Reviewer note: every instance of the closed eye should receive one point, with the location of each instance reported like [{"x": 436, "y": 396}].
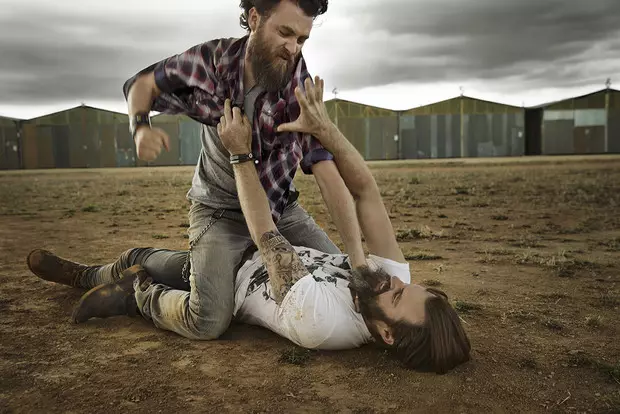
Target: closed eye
[{"x": 398, "y": 295}]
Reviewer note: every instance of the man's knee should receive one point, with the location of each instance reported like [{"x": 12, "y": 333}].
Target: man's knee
[
  {"x": 134, "y": 256},
  {"x": 212, "y": 328}
]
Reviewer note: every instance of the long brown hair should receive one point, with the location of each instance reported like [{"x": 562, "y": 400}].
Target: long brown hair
[{"x": 439, "y": 344}]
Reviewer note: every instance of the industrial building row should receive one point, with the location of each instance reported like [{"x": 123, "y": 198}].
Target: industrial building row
[{"x": 87, "y": 137}]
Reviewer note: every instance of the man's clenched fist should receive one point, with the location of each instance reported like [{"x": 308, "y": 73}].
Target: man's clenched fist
[{"x": 149, "y": 142}]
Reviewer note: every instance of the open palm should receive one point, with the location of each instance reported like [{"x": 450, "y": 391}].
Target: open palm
[{"x": 313, "y": 117}]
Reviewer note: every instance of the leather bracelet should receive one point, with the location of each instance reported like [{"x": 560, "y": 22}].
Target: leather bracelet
[{"x": 240, "y": 158}]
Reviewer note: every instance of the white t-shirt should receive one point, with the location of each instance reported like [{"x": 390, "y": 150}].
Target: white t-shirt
[{"x": 318, "y": 311}]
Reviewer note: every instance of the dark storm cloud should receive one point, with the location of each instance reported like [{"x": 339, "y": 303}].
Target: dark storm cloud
[
  {"x": 551, "y": 42},
  {"x": 47, "y": 56},
  {"x": 88, "y": 50}
]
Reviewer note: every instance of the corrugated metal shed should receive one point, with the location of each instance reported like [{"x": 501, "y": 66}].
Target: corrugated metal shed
[
  {"x": 80, "y": 137},
  {"x": 10, "y": 143},
  {"x": 462, "y": 127},
  {"x": 587, "y": 124},
  {"x": 372, "y": 130}
]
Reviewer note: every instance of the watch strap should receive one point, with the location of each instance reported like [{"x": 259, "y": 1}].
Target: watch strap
[
  {"x": 240, "y": 158},
  {"x": 138, "y": 120}
]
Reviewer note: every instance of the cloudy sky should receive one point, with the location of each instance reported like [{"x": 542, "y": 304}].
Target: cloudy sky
[{"x": 392, "y": 53}]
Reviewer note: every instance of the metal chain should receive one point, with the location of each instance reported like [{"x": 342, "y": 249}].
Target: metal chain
[{"x": 217, "y": 214}]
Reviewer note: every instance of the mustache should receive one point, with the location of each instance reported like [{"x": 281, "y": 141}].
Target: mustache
[
  {"x": 284, "y": 54},
  {"x": 368, "y": 285}
]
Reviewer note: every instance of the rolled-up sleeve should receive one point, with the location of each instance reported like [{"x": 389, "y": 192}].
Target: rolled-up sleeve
[
  {"x": 313, "y": 153},
  {"x": 180, "y": 78}
]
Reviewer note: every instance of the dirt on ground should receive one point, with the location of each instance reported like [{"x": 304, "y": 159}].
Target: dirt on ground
[{"x": 527, "y": 252}]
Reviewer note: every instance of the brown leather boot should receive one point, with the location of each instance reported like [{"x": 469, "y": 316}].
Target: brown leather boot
[
  {"x": 52, "y": 268},
  {"x": 112, "y": 299}
]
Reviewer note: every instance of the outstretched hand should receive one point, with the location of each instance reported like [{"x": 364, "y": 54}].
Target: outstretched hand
[{"x": 313, "y": 118}]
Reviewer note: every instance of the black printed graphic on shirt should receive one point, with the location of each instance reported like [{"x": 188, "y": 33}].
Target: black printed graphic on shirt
[
  {"x": 325, "y": 268},
  {"x": 260, "y": 280}
]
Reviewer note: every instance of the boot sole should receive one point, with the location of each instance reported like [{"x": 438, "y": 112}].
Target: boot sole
[{"x": 28, "y": 261}]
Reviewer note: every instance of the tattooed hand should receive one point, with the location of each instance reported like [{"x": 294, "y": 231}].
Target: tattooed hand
[{"x": 282, "y": 263}]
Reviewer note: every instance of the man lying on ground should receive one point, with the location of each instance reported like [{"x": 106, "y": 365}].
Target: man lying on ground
[{"x": 310, "y": 297}]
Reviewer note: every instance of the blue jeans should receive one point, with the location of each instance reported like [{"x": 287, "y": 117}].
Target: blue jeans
[{"x": 202, "y": 307}]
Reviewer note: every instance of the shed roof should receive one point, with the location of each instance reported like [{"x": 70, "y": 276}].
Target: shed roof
[
  {"x": 471, "y": 106},
  {"x": 587, "y": 95},
  {"x": 77, "y": 107}
]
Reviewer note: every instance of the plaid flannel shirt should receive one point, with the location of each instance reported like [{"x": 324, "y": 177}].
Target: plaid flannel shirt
[{"x": 198, "y": 81}]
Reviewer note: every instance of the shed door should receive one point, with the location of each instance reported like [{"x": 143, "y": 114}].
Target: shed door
[
  {"x": 60, "y": 146},
  {"x": 589, "y": 140}
]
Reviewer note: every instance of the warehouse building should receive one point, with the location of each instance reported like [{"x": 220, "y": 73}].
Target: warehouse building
[
  {"x": 588, "y": 124},
  {"x": 462, "y": 127},
  {"x": 80, "y": 137},
  {"x": 372, "y": 130},
  {"x": 87, "y": 137},
  {"x": 10, "y": 145}
]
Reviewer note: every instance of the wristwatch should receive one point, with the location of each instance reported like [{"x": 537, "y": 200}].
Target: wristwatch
[{"x": 138, "y": 120}]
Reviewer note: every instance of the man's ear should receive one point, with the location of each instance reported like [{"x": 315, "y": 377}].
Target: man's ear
[
  {"x": 253, "y": 19},
  {"x": 385, "y": 331}
]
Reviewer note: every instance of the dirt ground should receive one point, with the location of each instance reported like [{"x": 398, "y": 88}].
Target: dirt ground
[{"x": 527, "y": 251}]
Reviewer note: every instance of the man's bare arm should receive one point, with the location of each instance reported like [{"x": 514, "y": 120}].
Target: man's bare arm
[
  {"x": 282, "y": 262},
  {"x": 371, "y": 212},
  {"x": 142, "y": 93},
  {"x": 341, "y": 209}
]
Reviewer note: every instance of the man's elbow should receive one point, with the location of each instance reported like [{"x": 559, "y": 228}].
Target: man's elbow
[{"x": 365, "y": 190}]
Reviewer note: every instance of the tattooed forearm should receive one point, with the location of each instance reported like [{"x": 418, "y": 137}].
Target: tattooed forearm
[{"x": 282, "y": 263}]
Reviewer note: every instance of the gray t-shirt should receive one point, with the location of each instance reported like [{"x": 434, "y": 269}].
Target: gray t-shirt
[{"x": 213, "y": 183}]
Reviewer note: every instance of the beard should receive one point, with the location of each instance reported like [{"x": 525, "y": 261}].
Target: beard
[
  {"x": 368, "y": 285},
  {"x": 270, "y": 70}
]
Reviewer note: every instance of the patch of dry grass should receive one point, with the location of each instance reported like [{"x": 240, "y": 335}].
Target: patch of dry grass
[
  {"x": 422, "y": 256},
  {"x": 295, "y": 356},
  {"x": 466, "y": 307},
  {"x": 424, "y": 232},
  {"x": 594, "y": 321},
  {"x": 561, "y": 263},
  {"x": 519, "y": 315}
]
